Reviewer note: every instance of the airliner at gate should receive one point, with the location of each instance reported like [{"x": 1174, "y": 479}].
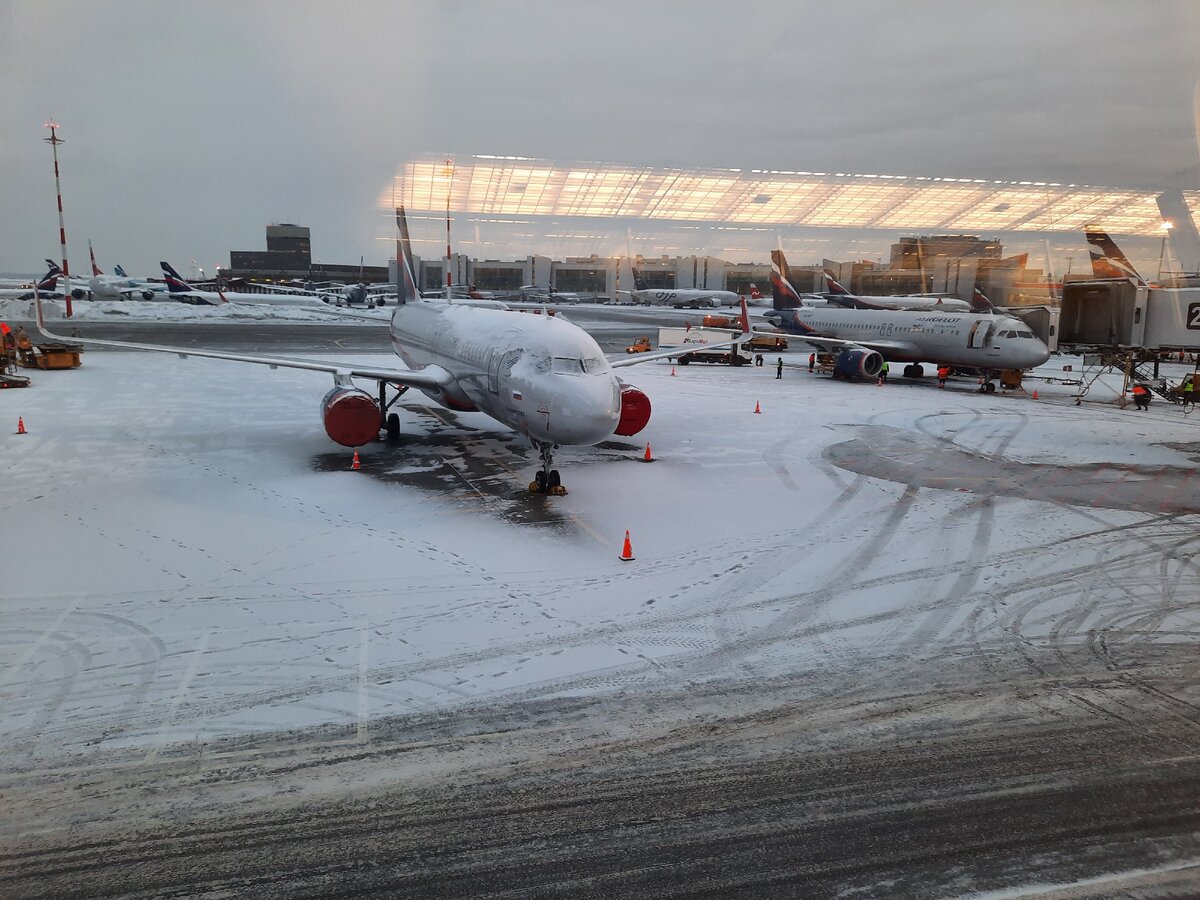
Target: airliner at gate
[{"x": 861, "y": 339}]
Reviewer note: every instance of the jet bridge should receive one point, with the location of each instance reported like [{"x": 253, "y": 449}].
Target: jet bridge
[{"x": 1120, "y": 314}]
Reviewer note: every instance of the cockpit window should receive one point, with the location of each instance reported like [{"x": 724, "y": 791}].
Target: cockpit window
[
  {"x": 593, "y": 365},
  {"x": 566, "y": 365}
]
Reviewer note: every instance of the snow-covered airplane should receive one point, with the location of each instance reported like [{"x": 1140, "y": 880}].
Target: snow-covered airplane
[
  {"x": 696, "y": 298},
  {"x": 545, "y": 378},
  {"x": 861, "y": 339},
  {"x": 178, "y": 289}
]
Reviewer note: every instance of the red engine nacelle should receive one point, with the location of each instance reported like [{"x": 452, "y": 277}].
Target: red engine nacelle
[
  {"x": 635, "y": 411},
  {"x": 351, "y": 416}
]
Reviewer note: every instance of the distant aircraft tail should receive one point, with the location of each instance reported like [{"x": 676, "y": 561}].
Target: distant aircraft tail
[
  {"x": 407, "y": 288},
  {"x": 92, "y": 254},
  {"x": 119, "y": 271},
  {"x": 833, "y": 286},
  {"x": 49, "y": 281},
  {"x": 638, "y": 281},
  {"x": 755, "y": 293},
  {"x": 175, "y": 283},
  {"x": 783, "y": 295},
  {"x": 981, "y": 304},
  {"x": 1107, "y": 259}
]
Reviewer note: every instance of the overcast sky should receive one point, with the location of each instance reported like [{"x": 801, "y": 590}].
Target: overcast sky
[{"x": 190, "y": 126}]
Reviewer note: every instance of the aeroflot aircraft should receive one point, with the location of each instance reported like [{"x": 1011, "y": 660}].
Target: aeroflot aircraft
[
  {"x": 119, "y": 286},
  {"x": 861, "y": 338},
  {"x": 842, "y": 297},
  {"x": 1107, "y": 259},
  {"x": 178, "y": 289},
  {"x": 541, "y": 376},
  {"x": 694, "y": 297},
  {"x": 45, "y": 286}
]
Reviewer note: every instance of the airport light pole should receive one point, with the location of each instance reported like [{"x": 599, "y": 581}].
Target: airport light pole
[
  {"x": 54, "y": 140},
  {"x": 449, "y": 184}
]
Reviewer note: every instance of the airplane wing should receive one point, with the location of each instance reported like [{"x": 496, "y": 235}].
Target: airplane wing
[
  {"x": 884, "y": 347},
  {"x": 430, "y": 377}
]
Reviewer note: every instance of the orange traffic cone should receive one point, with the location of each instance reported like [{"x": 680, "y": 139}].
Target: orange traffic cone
[
  {"x": 647, "y": 457},
  {"x": 21, "y": 426},
  {"x": 355, "y": 465},
  {"x": 757, "y": 408},
  {"x": 672, "y": 370},
  {"x": 627, "y": 550},
  {"x": 1035, "y": 393}
]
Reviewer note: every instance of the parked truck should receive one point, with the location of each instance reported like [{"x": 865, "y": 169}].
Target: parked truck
[{"x": 692, "y": 345}]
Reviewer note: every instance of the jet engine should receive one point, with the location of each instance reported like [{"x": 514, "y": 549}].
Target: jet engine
[
  {"x": 351, "y": 416},
  {"x": 147, "y": 295},
  {"x": 858, "y": 364},
  {"x": 80, "y": 293},
  {"x": 635, "y": 411}
]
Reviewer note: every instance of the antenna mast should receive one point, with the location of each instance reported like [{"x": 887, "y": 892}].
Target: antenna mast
[{"x": 54, "y": 140}]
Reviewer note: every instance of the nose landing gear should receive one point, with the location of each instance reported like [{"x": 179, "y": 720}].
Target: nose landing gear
[{"x": 547, "y": 480}]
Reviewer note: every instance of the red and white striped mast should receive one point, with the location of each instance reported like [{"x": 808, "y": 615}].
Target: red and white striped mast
[{"x": 54, "y": 140}]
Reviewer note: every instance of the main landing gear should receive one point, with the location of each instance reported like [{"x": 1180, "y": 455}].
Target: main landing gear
[
  {"x": 390, "y": 421},
  {"x": 547, "y": 480}
]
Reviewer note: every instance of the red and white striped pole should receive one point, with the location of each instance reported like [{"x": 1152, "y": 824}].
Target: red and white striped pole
[{"x": 54, "y": 140}]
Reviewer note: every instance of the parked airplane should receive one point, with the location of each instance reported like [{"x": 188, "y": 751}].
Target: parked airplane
[
  {"x": 545, "y": 378},
  {"x": 119, "y": 286},
  {"x": 837, "y": 294},
  {"x": 46, "y": 285},
  {"x": 696, "y": 298},
  {"x": 861, "y": 339},
  {"x": 1107, "y": 259},
  {"x": 178, "y": 289}
]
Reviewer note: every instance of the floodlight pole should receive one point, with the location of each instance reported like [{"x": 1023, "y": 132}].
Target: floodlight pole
[
  {"x": 54, "y": 140},
  {"x": 449, "y": 183}
]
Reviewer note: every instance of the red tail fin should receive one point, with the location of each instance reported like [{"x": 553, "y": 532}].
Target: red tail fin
[
  {"x": 95, "y": 268},
  {"x": 745, "y": 318}
]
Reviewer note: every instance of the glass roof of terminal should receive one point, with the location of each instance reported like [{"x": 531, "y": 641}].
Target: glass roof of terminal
[{"x": 515, "y": 186}]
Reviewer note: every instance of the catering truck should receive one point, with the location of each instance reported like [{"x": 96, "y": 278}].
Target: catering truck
[{"x": 692, "y": 345}]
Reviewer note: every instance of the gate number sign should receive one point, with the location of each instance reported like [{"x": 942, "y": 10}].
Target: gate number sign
[{"x": 1193, "y": 320}]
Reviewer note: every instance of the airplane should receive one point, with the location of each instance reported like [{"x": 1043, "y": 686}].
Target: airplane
[
  {"x": 46, "y": 285},
  {"x": 544, "y": 378},
  {"x": 838, "y": 295},
  {"x": 1107, "y": 259},
  {"x": 178, "y": 289},
  {"x": 696, "y": 298},
  {"x": 861, "y": 339},
  {"x": 119, "y": 286}
]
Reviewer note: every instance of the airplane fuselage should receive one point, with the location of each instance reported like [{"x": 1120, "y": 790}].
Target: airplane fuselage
[
  {"x": 685, "y": 297},
  {"x": 542, "y": 377},
  {"x": 957, "y": 339}
]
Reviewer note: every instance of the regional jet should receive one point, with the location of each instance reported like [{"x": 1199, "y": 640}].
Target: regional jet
[
  {"x": 862, "y": 339},
  {"x": 696, "y": 298},
  {"x": 178, "y": 289},
  {"x": 545, "y": 378}
]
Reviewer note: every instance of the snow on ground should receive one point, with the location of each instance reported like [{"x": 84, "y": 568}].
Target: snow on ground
[{"x": 189, "y": 557}]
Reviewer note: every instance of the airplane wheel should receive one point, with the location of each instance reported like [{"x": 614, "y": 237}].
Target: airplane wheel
[
  {"x": 393, "y": 427},
  {"x": 555, "y": 479},
  {"x": 991, "y": 387},
  {"x": 539, "y": 480}
]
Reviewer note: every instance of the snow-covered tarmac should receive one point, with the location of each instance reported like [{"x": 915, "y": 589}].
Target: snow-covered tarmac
[{"x": 189, "y": 561}]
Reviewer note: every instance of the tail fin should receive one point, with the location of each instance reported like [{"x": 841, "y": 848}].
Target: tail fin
[
  {"x": 745, "y": 317},
  {"x": 755, "y": 293},
  {"x": 119, "y": 271},
  {"x": 91, "y": 253},
  {"x": 50, "y": 279},
  {"x": 833, "y": 285},
  {"x": 981, "y": 304},
  {"x": 638, "y": 281},
  {"x": 175, "y": 284},
  {"x": 783, "y": 295},
  {"x": 407, "y": 288},
  {"x": 1107, "y": 259}
]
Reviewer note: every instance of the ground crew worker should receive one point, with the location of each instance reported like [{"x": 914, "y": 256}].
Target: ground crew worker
[
  {"x": 883, "y": 372},
  {"x": 812, "y": 361},
  {"x": 758, "y": 359},
  {"x": 943, "y": 374},
  {"x": 23, "y": 342},
  {"x": 779, "y": 367},
  {"x": 1141, "y": 397},
  {"x": 1189, "y": 391}
]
